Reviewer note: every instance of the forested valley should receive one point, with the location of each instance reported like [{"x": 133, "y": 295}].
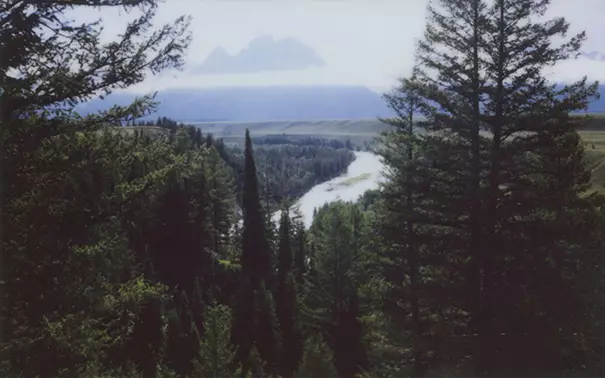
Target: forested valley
[
  {"x": 134, "y": 254},
  {"x": 287, "y": 168}
]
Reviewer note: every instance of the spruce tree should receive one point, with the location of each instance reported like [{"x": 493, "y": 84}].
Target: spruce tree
[
  {"x": 265, "y": 329},
  {"x": 451, "y": 79},
  {"x": 256, "y": 254},
  {"x": 183, "y": 338},
  {"x": 197, "y": 139},
  {"x": 254, "y": 306},
  {"x": 242, "y": 334},
  {"x": 284, "y": 253},
  {"x": 350, "y": 357},
  {"x": 198, "y": 307},
  {"x": 481, "y": 69},
  {"x": 318, "y": 359},
  {"x": 200, "y": 235},
  {"x": 402, "y": 234},
  {"x": 256, "y": 365},
  {"x": 173, "y": 338},
  {"x": 536, "y": 157},
  {"x": 85, "y": 261},
  {"x": 221, "y": 204},
  {"x": 287, "y": 301},
  {"x": 337, "y": 232},
  {"x": 147, "y": 345},
  {"x": 300, "y": 251},
  {"x": 172, "y": 250},
  {"x": 216, "y": 355}
]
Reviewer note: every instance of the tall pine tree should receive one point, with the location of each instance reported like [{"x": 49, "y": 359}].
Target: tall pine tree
[
  {"x": 286, "y": 306},
  {"x": 535, "y": 161},
  {"x": 337, "y": 233},
  {"x": 256, "y": 254},
  {"x": 253, "y": 314},
  {"x": 403, "y": 234},
  {"x": 500, "y": 150}
]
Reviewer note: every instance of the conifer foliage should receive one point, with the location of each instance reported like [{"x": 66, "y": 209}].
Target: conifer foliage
[
  {"x": 256, "y": 254},
  {"x": 475, "y": 191},
  {"x": 150, "y": 251},
  {"x": 255, "y": 312},
  {"x": 286, "y": 295}
]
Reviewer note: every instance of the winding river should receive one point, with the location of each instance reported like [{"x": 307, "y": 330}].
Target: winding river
[{"x": 363, "y": 174}]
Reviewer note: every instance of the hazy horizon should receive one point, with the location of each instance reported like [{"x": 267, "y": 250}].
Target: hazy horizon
[{"x": 363, "y": 43}]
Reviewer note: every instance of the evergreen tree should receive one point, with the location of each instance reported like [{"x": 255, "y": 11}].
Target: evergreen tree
[
  {"x": 317, "y": 360},
  {"x": 481, "y": 68},
  {"x": 265, "y": 329},
  {"x": 339, "y": 234},
  {"x": 403, "y": 234},
  {"x": 198, "y": 307},
  {"x": 532, "y": 135},
  {"x": 221, "y": 204},
  {"x": 171, "y": 250},
  {"x": 38, "y": 132},
  {"x": 242, "y": 332},
  {"x": 257, "y": 365},
  {"x": 454, "y": 124},
  {"x": 147, "y": 344},
  {"x": 254, "y": 306},
  {"x": 201, "y": 236},
  {"x": 286, "y": 301},
  {"x": 289, "y": 321},
  {"x": 350, "y": 356},
  {"x": 284, "y": 256},
  {"x": 198, "y": 138},
  {"x": 299, "y": 247},
  {"x": 256, "y": 254},
  {"x": 173, "y": 339},
  {"x": 216, "y": 352},
  {"x": 183, "y": 338}
]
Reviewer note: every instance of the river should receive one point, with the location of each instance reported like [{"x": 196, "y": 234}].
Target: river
[{"x": 363, "y": 174}]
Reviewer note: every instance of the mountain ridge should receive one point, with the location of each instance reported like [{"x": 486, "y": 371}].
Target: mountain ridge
[
  {"x": 258, "y": 103},
  {"x": 270, "y": 103},
  {"x": 262, "y": 54}
]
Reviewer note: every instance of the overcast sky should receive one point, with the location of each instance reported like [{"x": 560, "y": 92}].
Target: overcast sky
[{"x": 363, "y": 42}]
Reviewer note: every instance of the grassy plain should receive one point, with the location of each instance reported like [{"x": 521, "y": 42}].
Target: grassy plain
[
  {"x": 594, "y": 142},
  {"x": 358, "y": 131}
]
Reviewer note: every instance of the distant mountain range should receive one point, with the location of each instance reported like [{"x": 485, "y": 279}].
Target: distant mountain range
[
  {"x": 258, "y": 103},
  {"x": 262, "y": 54}
]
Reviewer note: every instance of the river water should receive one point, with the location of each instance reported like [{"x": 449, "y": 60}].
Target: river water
[{"x": 363, "y": 174}]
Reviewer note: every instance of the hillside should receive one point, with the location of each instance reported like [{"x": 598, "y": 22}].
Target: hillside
[
  {"x": 355, "y": 130},
  {"x": 258, "y": 103},
  {"x": 270, "y": 104}
]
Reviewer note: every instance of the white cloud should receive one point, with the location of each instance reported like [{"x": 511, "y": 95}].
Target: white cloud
[{"x": 573, "y": 70}]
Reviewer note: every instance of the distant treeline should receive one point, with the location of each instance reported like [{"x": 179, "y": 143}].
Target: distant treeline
[
  {"x": 287, "y": 167},
  {"x": 163, "y": 122},
  {"x": 303, "y": 141},
  {"x": 287, "y": 171}
]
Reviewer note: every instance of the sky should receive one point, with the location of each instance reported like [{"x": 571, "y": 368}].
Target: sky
[{"x": 363, "y": 42}]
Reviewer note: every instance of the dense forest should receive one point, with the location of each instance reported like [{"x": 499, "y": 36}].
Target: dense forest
[
  {"x": 288, "y": 167},
  {"x": 287, "y": 171},
  {"x": 124, "y": 254}
]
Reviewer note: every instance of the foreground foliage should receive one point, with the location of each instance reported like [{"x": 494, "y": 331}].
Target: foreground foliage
[{"x": 136, "y": 255}]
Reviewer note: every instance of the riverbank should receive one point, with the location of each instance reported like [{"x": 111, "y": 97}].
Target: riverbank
[{"x": 363, "y": 174}]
